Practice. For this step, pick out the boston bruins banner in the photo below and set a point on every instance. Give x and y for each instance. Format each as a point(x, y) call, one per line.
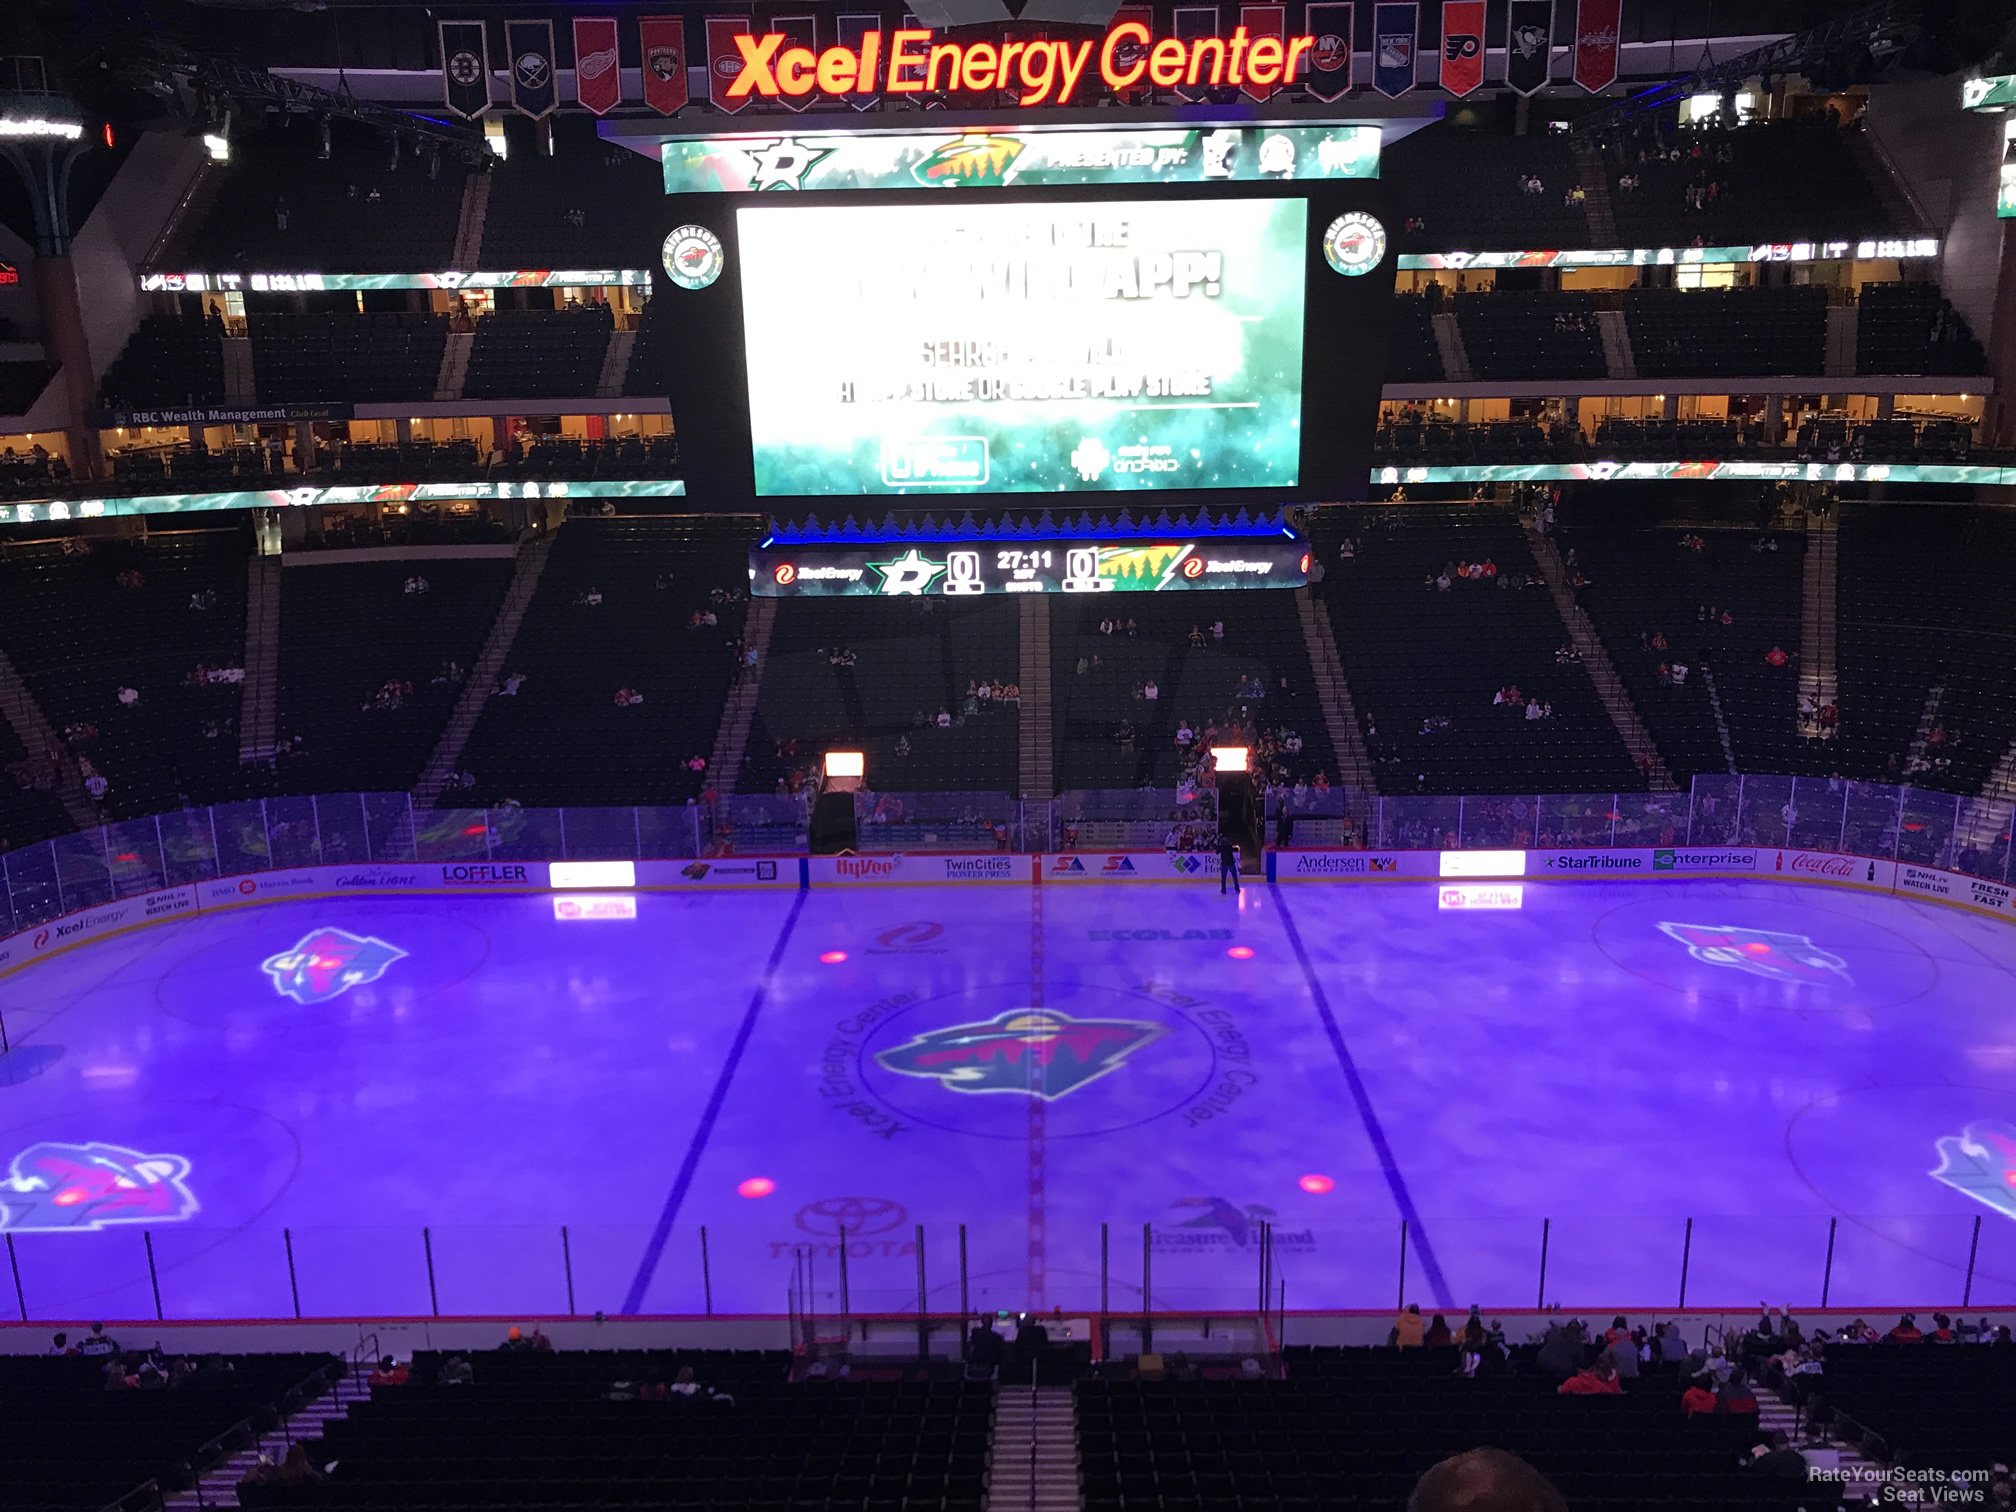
point(465, 67)
point(1529, 45)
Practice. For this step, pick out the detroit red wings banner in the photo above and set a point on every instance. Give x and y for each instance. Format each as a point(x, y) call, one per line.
point(662, 46)
point(598, 77)
point(1330, 60)
point(1262, 21)
point(724, 61)
point(1462, 46)
point(1596, 26)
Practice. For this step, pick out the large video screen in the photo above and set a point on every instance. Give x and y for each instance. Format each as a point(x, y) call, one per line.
point(983, 347)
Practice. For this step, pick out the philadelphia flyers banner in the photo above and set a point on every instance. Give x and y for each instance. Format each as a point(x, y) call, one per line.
point(598, 76)
point(724, 61)
point(1462, 46)
point(662, 41)
point(1129, 54)
point(1596, 26)
point(1263, 21)
point(853, 26)
point(797, 31)
point(1193, 22)
point(1330, 60)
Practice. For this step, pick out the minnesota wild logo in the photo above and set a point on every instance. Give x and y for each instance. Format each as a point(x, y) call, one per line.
point(1038, 1052)
point(979, 160)
point(1981, 1163)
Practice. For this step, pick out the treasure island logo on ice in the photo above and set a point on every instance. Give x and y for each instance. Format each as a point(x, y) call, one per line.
point(1037, 1052)
point(1981, 1163)
point(1761, 952)
point(327, 963)
point(71, 1188)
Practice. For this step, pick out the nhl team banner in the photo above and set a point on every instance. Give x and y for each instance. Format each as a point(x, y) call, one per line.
point(1192, 23)
point(1263, 21)
point(1330, 61)
point(797, 31)
point(598, 75)
point(1129, 55)
point(724, 61)
point(465, 67)
point(852, 27)
point(1529, 45)
point(1596, 27)
point(662, 44)
point(535, 88)
point(1462, 46)
point(1394, 28)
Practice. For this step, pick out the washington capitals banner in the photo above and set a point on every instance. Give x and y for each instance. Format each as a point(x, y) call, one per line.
point(1529, 45)
point(535, 88)
point(724, 61)
point(1462, 46)
point(465, 67)
point(598, 76)
point(1330, 60)
point(662, 45)
point(1129, 54)
point(1263, 21)
point(797, 31)
point(1393, 32)
point(853, 26)
point(1596, 26)
point(1192, 22)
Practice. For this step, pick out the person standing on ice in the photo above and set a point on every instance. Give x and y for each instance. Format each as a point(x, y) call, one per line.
point(1228, 863)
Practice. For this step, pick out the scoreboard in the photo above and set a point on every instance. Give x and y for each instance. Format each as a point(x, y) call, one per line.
point(965, 569)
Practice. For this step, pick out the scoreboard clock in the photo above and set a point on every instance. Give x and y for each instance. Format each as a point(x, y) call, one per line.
point(964, 569)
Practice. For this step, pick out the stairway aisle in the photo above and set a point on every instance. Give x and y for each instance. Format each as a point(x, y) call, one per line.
point(1034, 1464)
point(218, 1486)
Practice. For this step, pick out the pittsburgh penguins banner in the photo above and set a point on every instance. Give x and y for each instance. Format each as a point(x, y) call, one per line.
point(465, 67)
point(1192, 23)
point(662, 45)
point(1596, 26)
point(1263, 21)
point(535, 87)
point(1129, 53)
point(797, 31)
point(1330, 60)
point(724, 61)
point(1529, 45)
point(598, 76)
point(853, 26)
point(1393, 31)
point(1462, 46)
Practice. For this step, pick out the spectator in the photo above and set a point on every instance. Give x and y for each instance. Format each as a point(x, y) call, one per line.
point(455, 1371)
point(944, 719)
point(510, 686)
point(1621, 1354)
point(1906, 1331)
point(1561, 1351)
point(1228, 866)
point(389, 1373)
point(985, 1348)
point(1776, 657)
point(98, 1342)
point(59, 1344)
point(129, 696)
point(1779, 1461)
point(1699, 1398)
point(1599, 1379)
point(1218, 630)
point(1668, 1345)
point(295, 1469)
point(1485, 1480)
point(1196, 637)
point(1736, 1395)
point(1438, 1335)
point(1409, 1328)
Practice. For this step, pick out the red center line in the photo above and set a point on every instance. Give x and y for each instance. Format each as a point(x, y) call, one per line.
point(1038, 1245)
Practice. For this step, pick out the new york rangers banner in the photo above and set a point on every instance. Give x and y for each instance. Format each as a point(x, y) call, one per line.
point(1262, 21)
point(1393, 31)
point(1529, 45)
point(465, 67)
point(1462, 46)
point(724, 61)
point(1129, 54)
point(1330, 60)
point(853, 26)
point(662, 43)
point(1596, 25)
point(535, 83)
point(598, 77)
point(797, 31)
point(1192, 22)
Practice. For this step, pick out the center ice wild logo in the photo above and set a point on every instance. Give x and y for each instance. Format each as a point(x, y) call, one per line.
point(328, 963)
point(1038, 1052)
point(1761, 952)
point(71, 1188)
point(1981, 1163)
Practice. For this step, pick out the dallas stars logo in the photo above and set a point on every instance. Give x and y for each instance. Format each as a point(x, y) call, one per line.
point(911, 573)
point(783, 164)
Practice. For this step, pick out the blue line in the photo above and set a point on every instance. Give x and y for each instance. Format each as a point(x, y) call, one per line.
point(1417, 1233)
point(654, 1248)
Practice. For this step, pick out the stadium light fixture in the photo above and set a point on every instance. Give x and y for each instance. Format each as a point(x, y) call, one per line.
point(846, 764)
point(1229, 758)
point(218, 146)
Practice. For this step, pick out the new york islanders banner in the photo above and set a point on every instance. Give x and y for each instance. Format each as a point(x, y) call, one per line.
point(1462, 46)
point(1529, 45)
point(1393, 30)
point(598, 76)
point(1330, 60)
point(797, 31)
point(1263, 21)
point(724, 61)
point(662, 44)
point(852, 27)
point(465, 67)
point(1192, 22)
point(1130, 54)
point(535, 82)
point(1596, 26)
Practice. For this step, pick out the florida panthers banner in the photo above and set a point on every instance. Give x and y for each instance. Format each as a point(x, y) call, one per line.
point(724, 61)
point(465, 67)
point(1529, 45)
point(662, 45)
point(1462, 46)
point(1596, 26)
point(1330, 60)
point(1192, 22)
point(1129, 54)
point(598, 76)
point(853, 26)
point(1263, 21)
point(535, 87)
point(797, 31)
point(1393, 31)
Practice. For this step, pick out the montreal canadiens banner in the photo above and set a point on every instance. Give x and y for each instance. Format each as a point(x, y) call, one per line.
point(1263, 21)
point(465, 67)
point(1330, 62)
point(853, 26)
point(1596, 27)
point(535, 86)
point(1529, 45)
point(724, 61)
point(598, 75)
point(1193, 22)
point(662, 45)
point(797, 31)
point(1462, 46)
point(1394, 28)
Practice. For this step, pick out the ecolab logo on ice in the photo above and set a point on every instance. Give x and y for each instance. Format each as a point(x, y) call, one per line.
point(866, 868)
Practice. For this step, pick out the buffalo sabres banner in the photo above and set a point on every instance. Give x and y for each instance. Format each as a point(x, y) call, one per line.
point(1129, 54)
point(465, 67)
point(598, 76)
point(1596, 25)
point(797, 31)
point(1393, 31)
point(1330, 60)
point(535, 88)
point(1193, 22)
point(1462, 46)
point(724, 60)
point(662, 46)
point(1529, 45)
point(853, 26)
point(1263, 21)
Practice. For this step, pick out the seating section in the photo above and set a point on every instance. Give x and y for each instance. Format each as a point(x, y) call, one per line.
point(25, 475)
point(1775, 181)
point(1425, 665)
point(574, 208)
point(1464, 184)
point(306, 359)
point(1416, 439)
point(1912, 328)
point(911, 660)
point(82, 626)
point(1933, 1408)
point(169, 360)
point(1668, 440)
point(523, 354)
point(656, 348)
point(572, 1430)
point(1412, 355)
point(1681, 333)
point(1525, 336)
point(1108, 735)
point(364, 685)
point(562, 738)
point(29, 809)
